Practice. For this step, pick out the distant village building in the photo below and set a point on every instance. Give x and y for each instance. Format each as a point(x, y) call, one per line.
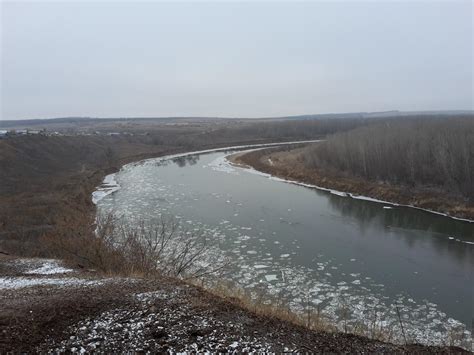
point(22, 132)
point(33, 131)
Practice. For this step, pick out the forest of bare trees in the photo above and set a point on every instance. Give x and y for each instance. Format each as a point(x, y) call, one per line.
point(429, 151)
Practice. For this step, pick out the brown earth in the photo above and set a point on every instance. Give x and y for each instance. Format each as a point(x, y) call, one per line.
point(163, 314)
point(288, 163)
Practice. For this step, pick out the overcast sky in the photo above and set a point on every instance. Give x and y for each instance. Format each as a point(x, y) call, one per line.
point(242, 59)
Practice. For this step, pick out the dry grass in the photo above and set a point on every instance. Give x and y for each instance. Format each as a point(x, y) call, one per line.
point(314, 318)
point(262, 304)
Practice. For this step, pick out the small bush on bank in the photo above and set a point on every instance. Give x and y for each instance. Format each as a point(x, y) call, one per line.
point(120, 247)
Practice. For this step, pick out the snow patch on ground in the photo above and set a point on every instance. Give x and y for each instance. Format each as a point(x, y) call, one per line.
point(49, 267)
point(10, 283)
point(162, 321)
point(37, 266)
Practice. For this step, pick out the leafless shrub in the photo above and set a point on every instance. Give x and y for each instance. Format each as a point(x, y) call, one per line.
point(145, 249)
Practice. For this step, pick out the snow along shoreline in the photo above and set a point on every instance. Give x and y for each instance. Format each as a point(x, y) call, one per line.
point(340, 193)
point(110, 185)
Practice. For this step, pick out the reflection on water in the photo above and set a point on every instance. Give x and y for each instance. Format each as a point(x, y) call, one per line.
point(417, 225)
point(367, 212)
point(186, 160)
point(315, 247)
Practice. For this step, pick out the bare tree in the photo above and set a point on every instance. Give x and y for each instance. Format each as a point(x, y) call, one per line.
point(428, 151)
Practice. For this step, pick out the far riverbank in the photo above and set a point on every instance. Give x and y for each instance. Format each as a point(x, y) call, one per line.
point(287, 163)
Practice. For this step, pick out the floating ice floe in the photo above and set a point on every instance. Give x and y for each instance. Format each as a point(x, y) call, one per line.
point(272, 277)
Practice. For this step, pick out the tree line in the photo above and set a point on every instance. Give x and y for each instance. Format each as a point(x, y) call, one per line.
point(423, 151)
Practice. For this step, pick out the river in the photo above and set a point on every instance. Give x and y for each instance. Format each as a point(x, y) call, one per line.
point(356, 261)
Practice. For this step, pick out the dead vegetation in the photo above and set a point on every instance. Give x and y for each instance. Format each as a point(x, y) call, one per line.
point(151, 249)
point(431, 151)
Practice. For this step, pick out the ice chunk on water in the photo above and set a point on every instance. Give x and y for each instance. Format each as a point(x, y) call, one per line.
point(272, 277)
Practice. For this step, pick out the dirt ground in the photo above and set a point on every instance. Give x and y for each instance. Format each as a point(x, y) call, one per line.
point(46, 306)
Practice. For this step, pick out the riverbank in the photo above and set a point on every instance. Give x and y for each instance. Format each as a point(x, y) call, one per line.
point(47, 182)
point(88, 302)
point(287, 244)
point(287, 163)
point(48, 306)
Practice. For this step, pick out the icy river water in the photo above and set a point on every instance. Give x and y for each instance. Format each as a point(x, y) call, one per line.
point(355, 260)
